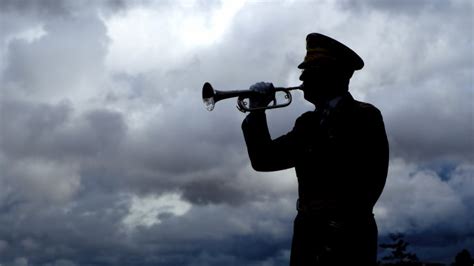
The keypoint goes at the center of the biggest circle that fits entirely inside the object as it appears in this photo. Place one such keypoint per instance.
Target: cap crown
(321, 48)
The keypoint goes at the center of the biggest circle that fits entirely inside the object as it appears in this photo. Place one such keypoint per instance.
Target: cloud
(51, 8)
(403, 7)
(56, 65)
(148, 211)
(432, 211)
(109, 157)
(31, 181)
(417, 199)
(57, 132)
(418, 74)
(165, 35)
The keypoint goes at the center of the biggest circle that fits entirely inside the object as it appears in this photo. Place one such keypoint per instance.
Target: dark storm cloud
(87, 127)
(50, 8)
(72, 67)
(68, 162)
(432, 123)
(89, 232)
(208, 242)
(108, 157)
(63, 232)
(47, 8)
(402, 7)
(51, 132)
(207, 191)
(420, 77)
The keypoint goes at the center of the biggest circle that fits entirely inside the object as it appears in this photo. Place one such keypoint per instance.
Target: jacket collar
(336, 103)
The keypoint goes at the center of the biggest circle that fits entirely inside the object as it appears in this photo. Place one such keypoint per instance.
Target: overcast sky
(108, 156)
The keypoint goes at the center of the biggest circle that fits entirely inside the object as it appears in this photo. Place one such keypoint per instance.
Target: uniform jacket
(340, 157)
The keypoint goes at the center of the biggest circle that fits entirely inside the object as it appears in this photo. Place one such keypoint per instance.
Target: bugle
(210, 97)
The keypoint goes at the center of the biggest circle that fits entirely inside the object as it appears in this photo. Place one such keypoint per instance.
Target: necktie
(324, 113)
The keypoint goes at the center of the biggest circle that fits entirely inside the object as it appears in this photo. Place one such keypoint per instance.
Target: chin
(309, 98)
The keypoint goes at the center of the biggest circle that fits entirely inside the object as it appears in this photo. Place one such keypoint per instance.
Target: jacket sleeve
(266, 154)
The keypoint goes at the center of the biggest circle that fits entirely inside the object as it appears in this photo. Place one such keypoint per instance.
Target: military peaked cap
(320, 48)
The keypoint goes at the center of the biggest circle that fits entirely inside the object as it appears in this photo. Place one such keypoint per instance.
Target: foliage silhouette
(399, 254)
(463, 258)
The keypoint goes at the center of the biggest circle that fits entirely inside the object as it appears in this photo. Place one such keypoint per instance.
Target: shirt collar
(333, 103)
(330, 105)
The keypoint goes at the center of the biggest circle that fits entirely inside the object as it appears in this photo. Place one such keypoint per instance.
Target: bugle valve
(210, 97)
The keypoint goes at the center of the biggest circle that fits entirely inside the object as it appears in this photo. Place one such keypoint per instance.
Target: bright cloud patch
(149, 210)
(165, 35)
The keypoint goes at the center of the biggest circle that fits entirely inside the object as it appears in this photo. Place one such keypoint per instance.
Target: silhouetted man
(339, 152)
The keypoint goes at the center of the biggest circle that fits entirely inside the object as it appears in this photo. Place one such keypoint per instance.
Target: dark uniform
(340, 154)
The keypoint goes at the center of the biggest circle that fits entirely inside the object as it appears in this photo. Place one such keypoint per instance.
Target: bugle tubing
(210, 97)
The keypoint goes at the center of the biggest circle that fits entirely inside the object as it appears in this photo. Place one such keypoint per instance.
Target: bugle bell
(210, 97)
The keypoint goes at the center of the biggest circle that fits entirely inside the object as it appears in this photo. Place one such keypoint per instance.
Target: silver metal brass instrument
(210, 97)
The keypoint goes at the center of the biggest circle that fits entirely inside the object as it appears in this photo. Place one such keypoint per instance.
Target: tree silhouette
(463, 258)
(399, 254)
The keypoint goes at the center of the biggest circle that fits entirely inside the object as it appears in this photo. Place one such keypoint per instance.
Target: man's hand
(265, 94)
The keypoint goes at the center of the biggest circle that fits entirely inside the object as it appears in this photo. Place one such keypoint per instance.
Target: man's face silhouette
(324, 82)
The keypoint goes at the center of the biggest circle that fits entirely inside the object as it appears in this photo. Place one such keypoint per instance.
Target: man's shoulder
(306, 119)
(366, 114)
(364, 108)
